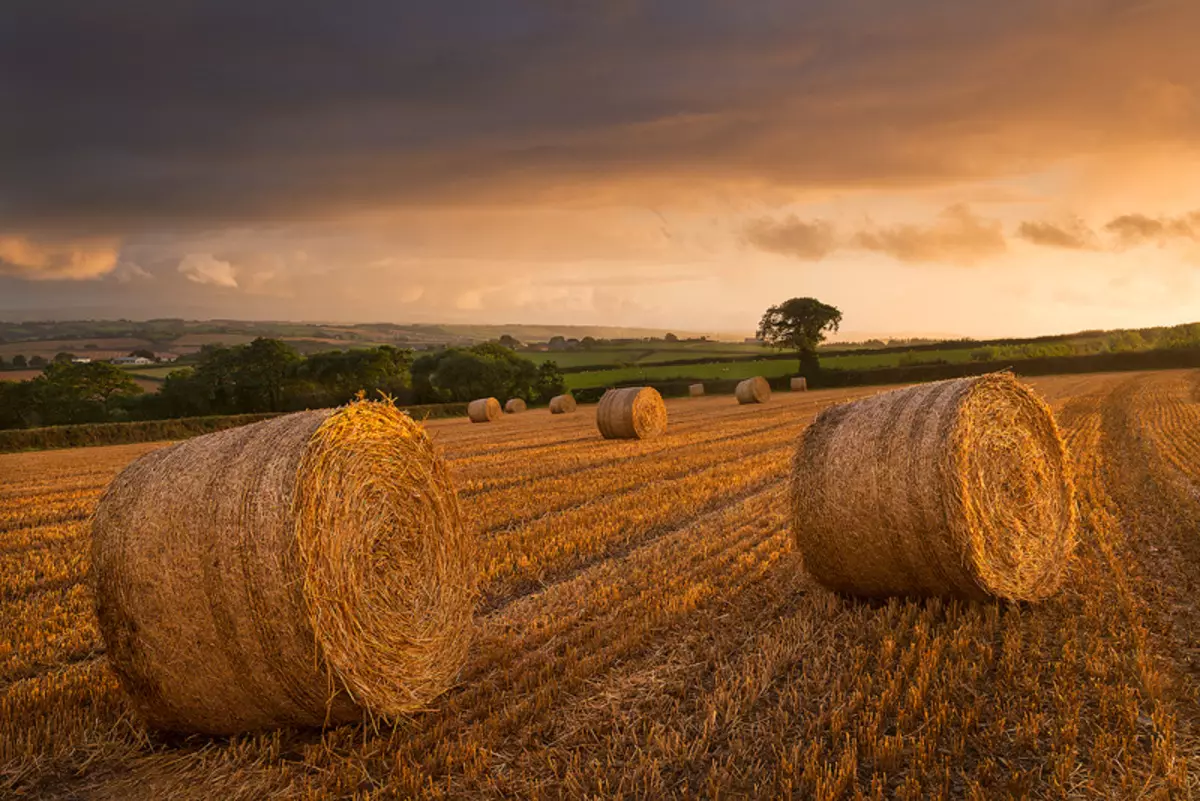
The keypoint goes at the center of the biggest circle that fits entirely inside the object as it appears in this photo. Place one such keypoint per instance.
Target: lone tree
(799, 324)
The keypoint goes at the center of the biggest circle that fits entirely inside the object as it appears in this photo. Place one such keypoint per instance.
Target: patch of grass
(768, 368)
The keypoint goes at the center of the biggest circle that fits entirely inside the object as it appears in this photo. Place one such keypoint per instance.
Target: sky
(937, 167)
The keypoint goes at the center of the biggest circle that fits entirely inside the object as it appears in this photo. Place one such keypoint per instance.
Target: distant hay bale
(696, 390)
(753, 390)
(562, 404)
(514, 406)
(631, 413)
(300, 571)
(799, 384)
(958, 488)
(484, 410)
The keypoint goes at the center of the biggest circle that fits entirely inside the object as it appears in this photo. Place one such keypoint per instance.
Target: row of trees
(490, 369)
(66, 393)
(19, 362)
(37, 362)
(268, 375)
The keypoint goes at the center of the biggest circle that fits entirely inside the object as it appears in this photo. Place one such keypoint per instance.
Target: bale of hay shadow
(562, 404)
(958, 488)
(695, 390)
(753, 390)
(514, 406)
(799, 384)
(484, 410)
(307, 570)
(631, 413)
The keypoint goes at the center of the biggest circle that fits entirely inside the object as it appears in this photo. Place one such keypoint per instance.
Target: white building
(132, 360)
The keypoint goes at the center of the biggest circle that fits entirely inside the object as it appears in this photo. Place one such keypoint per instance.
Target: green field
(600, 378)
(866, 361)
(645, 353)
(768, 368)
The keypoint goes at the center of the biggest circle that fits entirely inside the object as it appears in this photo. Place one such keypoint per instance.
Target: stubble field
(647, 630)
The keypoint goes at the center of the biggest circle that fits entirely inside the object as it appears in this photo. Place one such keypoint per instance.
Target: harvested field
(646, 629)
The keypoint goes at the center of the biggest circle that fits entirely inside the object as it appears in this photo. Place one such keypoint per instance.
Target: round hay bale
(631, 413)
(484, 410)
(514, 406)
(301, 571)
(753, 390)
(695, 390)
(562, 404)
(799, 384)
(958, 488)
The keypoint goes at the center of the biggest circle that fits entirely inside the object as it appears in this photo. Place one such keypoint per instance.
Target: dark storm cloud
(124, 114)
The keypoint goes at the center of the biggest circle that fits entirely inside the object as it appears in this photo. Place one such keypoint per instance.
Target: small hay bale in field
(514, 406)
(799, 384)
(631, 413)
(957, 488)
(695, 390)
(562, 404)
(300, 571)
(753, 390)
(484, 410)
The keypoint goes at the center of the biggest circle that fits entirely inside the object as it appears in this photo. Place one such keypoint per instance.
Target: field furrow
(647, 630)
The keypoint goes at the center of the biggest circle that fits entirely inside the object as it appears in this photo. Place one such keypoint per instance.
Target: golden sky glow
(934, 167)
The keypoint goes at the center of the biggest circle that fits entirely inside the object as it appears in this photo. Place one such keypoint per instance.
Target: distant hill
(108, 338)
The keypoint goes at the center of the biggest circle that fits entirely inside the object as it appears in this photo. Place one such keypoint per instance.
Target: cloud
(957, 236)
(1131, 230)
(471, 101)
(203, 268)
(1075, 235)
(56, 260)
(810, 241)
(127, 271)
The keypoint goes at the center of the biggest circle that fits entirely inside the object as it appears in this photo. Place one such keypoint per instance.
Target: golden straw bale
(753, 390)
(695, 390)
(301, 571)
(562, 404)
(514, 406)
(957, 488)
(799, 384)
(484, 410)
(631, 413)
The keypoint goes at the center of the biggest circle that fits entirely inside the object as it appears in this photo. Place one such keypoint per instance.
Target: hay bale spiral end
(959, 488)
(305, 570)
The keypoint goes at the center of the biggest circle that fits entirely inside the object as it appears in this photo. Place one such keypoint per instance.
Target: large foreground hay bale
(562, 404)
(958, 488)
(799, 384)
(514, 406)
(484, 410)
(753, 390)
(298, 571)
(631, 413)
(695, 390)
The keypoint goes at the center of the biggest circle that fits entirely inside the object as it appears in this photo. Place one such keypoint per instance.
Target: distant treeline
(827, 379)
(1080, 343)
(269, 376)
(89, 434)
